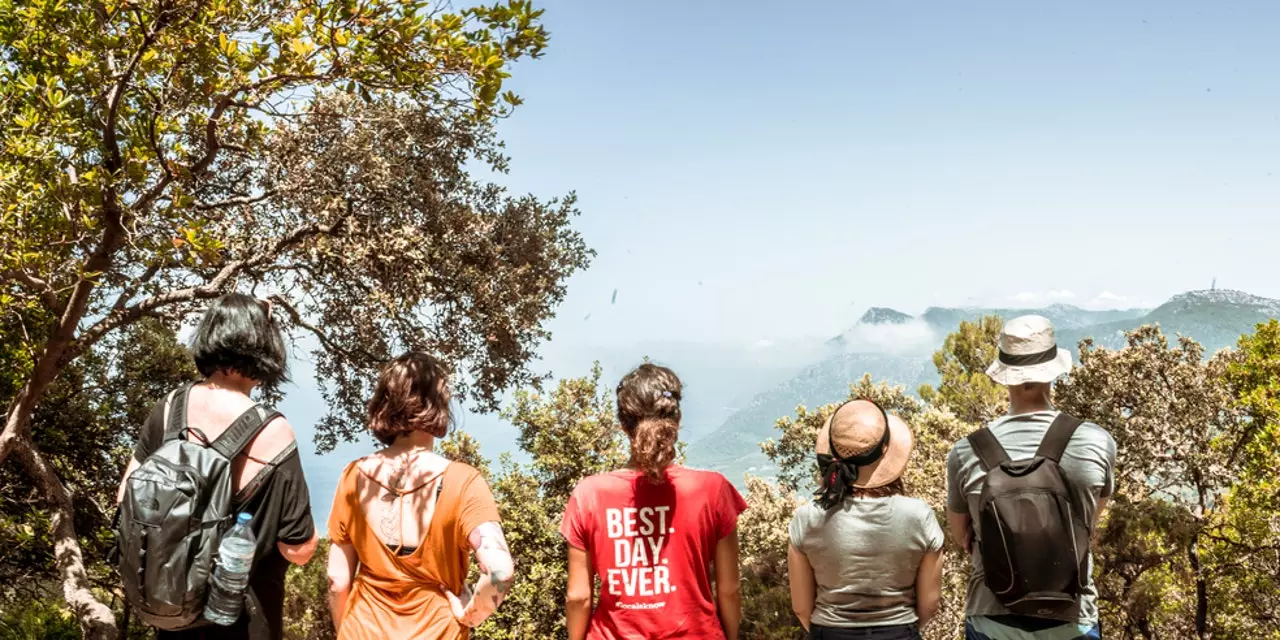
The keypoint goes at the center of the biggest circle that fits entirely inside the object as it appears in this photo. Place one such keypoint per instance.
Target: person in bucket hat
(865, 560)
(1028, 363)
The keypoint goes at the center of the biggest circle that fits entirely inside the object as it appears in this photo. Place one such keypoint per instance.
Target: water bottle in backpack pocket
(231, 574)
(1033, 535)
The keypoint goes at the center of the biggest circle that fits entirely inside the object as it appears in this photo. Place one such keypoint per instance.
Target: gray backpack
(176, 506)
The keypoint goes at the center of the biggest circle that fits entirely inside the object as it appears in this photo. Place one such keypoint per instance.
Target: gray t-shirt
(865, 555)
(1088, 463)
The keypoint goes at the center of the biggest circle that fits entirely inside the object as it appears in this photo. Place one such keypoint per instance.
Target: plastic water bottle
(231, 576)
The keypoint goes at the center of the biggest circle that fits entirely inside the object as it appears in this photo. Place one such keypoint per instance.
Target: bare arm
(728, 597)
(577, 605)
(961, 530)
(803, 588)
(300, 554)
(128, 471)
(342, 568)
(1097, 516)
(497, 572)
(929, 586)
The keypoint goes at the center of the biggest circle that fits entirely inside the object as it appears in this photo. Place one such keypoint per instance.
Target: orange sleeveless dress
(403, 596)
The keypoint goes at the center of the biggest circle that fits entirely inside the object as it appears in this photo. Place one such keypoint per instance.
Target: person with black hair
(865, 560)
(237, 347)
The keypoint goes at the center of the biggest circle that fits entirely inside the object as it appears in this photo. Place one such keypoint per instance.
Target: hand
(460, 605)
(968, 541)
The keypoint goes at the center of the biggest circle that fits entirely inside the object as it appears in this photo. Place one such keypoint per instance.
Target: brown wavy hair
(895, 488)
(412, 394)
(649, 411)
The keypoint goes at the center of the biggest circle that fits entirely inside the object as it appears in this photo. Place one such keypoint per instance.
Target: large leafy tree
(155, 154)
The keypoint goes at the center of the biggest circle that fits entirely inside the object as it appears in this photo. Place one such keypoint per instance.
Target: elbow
(927, 608)
(299, 554)
(728, 592)
(802, 612)
(502, 578)
(339, 584)
(578, 598)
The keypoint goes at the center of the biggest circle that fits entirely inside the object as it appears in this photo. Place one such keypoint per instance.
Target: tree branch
(35, 285)
(328, 342)
(233, 202)
(96, 619)
(211, 289)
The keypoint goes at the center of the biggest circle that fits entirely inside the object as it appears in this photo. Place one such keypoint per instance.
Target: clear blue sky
(805, 160)
(766, 171)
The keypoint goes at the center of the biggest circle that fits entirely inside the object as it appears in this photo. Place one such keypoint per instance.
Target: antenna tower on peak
(1214, 286)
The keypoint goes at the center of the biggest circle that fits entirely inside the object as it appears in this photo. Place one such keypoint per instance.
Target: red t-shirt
(652, 546)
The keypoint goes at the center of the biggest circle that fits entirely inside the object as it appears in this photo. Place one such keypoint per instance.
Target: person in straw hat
(865, 560)
(1028, 363)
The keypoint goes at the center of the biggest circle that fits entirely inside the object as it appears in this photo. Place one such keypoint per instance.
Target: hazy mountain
(896, 347)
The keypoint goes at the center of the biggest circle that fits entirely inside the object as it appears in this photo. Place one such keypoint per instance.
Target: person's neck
(1017, 407)
(412, 442)
(222, 381)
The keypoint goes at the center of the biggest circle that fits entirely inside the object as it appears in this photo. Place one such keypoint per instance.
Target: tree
(159, 153)
(1246, 545)
(1172, 556)
(962, 363)
(87, 423)
(306, 599)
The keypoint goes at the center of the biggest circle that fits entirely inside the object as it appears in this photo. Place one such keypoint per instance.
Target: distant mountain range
(897, 347)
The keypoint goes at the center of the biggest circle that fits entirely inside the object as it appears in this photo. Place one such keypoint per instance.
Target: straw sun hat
(1029, 353)
(859, 429)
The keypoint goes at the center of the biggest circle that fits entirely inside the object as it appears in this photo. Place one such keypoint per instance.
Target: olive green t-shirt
(865, 555)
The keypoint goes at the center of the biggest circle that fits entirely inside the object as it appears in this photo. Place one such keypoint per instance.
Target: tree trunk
(1202, 592)
(96, 619)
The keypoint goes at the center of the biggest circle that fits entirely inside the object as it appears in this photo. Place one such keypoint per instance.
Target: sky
(755, 173)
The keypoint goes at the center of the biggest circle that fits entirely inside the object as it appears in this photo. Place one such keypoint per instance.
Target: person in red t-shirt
(653, 533)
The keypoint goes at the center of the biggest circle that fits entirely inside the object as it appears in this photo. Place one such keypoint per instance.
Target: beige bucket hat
(1029, 352)
(858, 428)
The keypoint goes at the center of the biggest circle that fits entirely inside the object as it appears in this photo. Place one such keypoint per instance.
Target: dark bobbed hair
(412, 394)
(649, 411)
(237, 335)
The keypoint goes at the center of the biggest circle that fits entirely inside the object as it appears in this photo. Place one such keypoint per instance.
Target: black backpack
(176, 506)
(1032, 531)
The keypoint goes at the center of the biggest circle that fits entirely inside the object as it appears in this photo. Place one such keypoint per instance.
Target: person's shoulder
(464, 471)
(1096, 431)
(710, 483)
(699, 476)
(962, 447)
(808, 512)
(912, 507)
(596, 482)
(275, 437)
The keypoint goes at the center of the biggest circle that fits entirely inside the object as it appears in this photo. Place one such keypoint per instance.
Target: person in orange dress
(406, 521)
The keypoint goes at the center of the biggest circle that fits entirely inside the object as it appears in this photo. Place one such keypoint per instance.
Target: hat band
(1030, 359)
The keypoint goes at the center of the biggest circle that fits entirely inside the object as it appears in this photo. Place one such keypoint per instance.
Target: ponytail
(649, 411)
(653, 446)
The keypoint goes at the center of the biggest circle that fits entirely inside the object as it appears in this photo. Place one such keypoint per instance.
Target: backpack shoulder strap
(175, 412)
(243, 431)
(987, 447)
(1055, 440)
